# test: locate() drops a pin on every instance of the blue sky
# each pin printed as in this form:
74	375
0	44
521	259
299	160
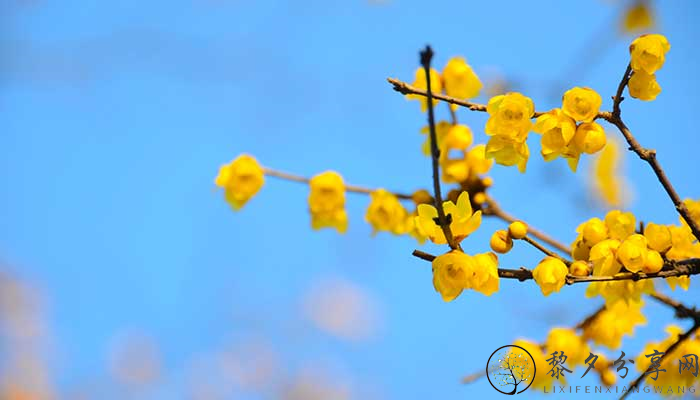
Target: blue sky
116	116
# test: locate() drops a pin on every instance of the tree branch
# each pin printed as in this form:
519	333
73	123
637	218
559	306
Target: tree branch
681	268
648	155
426	57
493	209
405	88
349	188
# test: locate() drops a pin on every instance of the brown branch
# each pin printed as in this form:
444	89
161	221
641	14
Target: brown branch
545	250
405	88
493	209
682	338
426	57
686	267
648	155
349	188
682	311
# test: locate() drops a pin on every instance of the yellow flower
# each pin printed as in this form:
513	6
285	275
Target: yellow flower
501	242
658	237
620	225
638	17
632	253
459	137
241	180
452	273
442	128
579	268
571	344
581	104
654	262
509	116
337	219
590	137
643	86
557	130
485	279
508	152
550	275
615	321
683	245
608	183
460	80
594	231
421	83
648	53
477	161
385	212
327	201
693	207
682	281
604	258
464	222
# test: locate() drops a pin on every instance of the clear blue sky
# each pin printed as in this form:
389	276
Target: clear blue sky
115	117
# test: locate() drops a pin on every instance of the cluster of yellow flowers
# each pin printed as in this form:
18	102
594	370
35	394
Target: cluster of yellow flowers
560	134
458	80
460	161
648	54
509	124
455	271
606	247
675	375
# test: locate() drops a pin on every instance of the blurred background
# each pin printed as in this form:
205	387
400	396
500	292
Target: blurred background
125	275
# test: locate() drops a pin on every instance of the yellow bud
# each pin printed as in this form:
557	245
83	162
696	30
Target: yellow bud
501	242
653	263
487	181
632	252
422	196
480	198
590	137
517	230
550	275
594	231
579	268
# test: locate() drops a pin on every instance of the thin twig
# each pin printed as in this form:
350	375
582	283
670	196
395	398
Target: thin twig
682	311
544	250
495	210
349	188
426	57
405	88
687	267
648	155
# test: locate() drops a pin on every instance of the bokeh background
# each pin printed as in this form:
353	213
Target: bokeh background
124	274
